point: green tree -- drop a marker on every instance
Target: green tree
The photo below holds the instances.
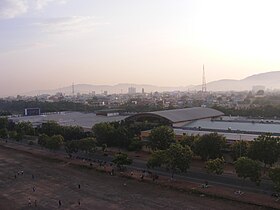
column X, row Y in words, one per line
column 135, row 145
column 215, row 166
column 274, row 174
column 161, row 138
column 178, row 158
column 175, row 159
column 189, row 140
column 248, row 168
column 112, row 134
column 87, row 145
column 72, row 132
column 12, row 134
column 265, row 149
column 4, row 122
column 122, row 159
column 209, row 146
column 55, row 142
column 104, row 133
column 51, row 128
column 157, row 159
column 4, row 133
column 71, row 147
column 25, row 128
column 121, row 137
column 42, row 139
column 239, row 149
column 19, row 136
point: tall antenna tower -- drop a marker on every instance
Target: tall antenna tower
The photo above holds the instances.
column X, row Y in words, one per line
column 203, row 81
column 73, row 89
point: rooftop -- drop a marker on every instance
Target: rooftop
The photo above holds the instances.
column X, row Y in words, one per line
column 188, row 114
column 85, row 120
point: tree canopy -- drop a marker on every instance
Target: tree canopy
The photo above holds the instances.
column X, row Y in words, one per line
column 189, row 140
column 215, row 166
column 209, row 146
column 51, row 128
column 55, row 142
column 176, row 158
column 239, row 149
column 274, row 174
column 265, row 149
column 86, row 145
column 122, row 159
column 42, row 139
column 112, row 134
column 161, row 138
column 248, row 168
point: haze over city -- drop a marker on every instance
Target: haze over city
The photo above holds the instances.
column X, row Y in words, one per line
column 47, row 44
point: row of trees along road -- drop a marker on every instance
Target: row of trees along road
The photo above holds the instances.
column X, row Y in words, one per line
column 52, row 143
column 121, row 135
column 249, row 156
column 208, row 146
column 176, row 157
column 263, row 151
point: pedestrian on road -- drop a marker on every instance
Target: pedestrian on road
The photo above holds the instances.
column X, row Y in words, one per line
column 29, row 202
column 79, row 186
column 33, row 189
column 79, row 202
column 59, row 203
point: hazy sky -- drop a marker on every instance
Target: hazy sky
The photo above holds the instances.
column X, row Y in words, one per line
column 51, row 43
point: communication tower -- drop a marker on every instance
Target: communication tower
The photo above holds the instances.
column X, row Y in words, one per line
column 73, row 89
column 204, row 81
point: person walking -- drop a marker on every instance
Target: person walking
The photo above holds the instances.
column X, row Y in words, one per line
column 59, row 203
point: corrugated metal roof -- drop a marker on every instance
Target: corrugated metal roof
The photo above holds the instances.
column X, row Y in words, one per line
column 228, row 136
column 188, row 114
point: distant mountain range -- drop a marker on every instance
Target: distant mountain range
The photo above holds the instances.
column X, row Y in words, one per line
column 111, row 89
column 269, row 79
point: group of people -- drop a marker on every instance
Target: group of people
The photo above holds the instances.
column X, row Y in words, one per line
column 34, row 189
column 145, row 173
column 18, row 173
column 21, row 173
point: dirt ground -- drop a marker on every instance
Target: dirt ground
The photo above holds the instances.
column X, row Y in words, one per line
column 54, row 181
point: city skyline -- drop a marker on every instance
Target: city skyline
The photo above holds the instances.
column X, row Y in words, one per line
column 47, row 44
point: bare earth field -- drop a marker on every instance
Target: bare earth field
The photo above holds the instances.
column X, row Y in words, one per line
column 56, row 181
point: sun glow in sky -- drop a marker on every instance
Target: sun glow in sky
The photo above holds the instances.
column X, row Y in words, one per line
column 46, row 44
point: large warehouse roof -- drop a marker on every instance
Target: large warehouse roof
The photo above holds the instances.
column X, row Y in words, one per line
column 85, row 120
column 181, row 115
